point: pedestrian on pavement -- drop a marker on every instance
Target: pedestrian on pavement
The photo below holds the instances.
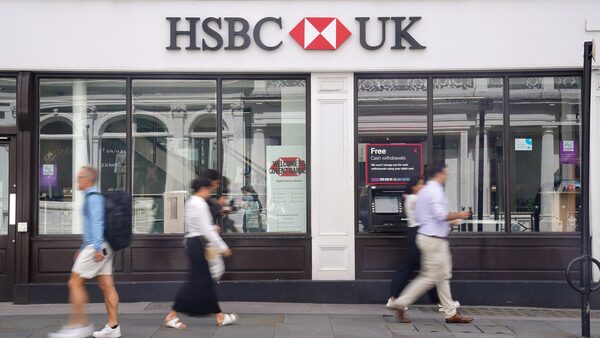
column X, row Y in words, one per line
column 413, row 258
column 432, row 214
column 93, row 259
column 198, row 297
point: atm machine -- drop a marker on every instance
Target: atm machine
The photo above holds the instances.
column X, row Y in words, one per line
column 386, row 208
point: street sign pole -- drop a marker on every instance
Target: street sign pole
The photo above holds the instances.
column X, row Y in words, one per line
column 585, row 260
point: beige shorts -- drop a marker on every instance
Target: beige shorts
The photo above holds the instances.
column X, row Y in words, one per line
column 88, row 268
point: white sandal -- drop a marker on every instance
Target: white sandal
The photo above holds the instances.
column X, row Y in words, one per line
column 175, row 323
column 228, row 319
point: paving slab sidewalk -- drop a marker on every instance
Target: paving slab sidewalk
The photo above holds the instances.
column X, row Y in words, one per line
column 293, row 320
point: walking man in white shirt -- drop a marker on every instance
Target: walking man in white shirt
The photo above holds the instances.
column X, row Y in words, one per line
column 432, row 214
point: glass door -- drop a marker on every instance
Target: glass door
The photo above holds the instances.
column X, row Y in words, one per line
column 7, row 217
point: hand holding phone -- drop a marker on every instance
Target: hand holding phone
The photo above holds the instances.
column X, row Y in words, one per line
column 99, row 256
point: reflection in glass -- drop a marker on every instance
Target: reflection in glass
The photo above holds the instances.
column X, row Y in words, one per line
column 8, row 113
column 389, row 111
column 264, row 164
column 174, row 139
column 76, row 118
column 4, row 187
column 467, row 136
column 545, row 153
column 8, row 101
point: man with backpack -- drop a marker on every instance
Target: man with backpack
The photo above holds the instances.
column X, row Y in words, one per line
column 94, row 259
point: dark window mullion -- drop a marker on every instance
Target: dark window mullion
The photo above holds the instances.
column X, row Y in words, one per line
column 129, row 136
column 507, row 153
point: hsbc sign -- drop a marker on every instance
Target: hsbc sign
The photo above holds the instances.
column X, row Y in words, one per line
column 320, row 33
column 311, row 33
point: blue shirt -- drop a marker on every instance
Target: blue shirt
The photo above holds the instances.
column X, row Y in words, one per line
column 431, row 211
column 93, row 219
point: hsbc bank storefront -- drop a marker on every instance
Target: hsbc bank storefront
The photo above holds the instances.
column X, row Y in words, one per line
column 316, row 113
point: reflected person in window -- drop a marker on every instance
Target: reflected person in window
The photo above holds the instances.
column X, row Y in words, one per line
column 252, row 210
column 215, row 207
column 363, row 207
column 227, row 208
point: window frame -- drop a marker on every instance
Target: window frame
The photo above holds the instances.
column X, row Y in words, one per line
column 13, row 129
column 129, row 77
column 505, row 75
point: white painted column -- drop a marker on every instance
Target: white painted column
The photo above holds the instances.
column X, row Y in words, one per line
column 547, row 180
column 594, row 183
column 465, row 168
column 258, row 158
column 486, row 174
column 80, row 150
column 173, row 165
column 175, row 155
column 96, row 155
column 332, row 176
column 188, row 170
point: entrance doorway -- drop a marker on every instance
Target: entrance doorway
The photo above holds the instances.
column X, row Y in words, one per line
column 8, row 200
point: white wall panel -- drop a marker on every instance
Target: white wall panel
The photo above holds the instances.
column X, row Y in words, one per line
column 332, row 176
column 333, row 258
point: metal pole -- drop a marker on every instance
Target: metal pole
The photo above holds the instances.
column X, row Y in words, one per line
column 480, row 171
column 585, row 148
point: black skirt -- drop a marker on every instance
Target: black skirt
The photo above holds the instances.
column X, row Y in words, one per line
column 197, row 297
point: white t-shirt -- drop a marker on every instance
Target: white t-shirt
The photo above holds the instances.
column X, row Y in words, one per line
column 410, row 203
column 199, row 222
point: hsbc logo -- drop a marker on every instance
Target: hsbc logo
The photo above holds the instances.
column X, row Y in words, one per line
column 311, row 33
column 320, row 33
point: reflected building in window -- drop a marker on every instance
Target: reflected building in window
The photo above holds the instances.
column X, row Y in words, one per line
column 72, row 114
column 535, row 182
column 545, row 147
column 468, row 128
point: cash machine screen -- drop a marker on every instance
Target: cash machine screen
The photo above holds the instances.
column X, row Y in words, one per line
column 386, row 205
column 386, row 213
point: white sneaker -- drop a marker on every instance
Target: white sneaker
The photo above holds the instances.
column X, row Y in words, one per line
column 108, row 332
column 69, row 331
column 390, row 304
column 456, row 306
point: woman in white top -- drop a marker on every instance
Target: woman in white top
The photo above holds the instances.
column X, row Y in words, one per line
column 197, row 297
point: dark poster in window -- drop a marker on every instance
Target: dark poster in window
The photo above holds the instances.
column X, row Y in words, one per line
column 113, row 164
column 393, row 163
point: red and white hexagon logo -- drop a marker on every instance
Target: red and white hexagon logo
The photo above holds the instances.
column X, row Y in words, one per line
column 320, row 33
column 288, row 166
